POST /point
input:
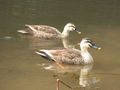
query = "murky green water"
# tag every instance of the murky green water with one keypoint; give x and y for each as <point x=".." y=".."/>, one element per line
<point x="22" y="69"/>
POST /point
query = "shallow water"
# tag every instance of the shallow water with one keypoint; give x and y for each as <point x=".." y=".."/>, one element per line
<point x="22" y="69"/>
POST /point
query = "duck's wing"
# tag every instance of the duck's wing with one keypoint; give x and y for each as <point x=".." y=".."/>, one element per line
<point x="26" y="31"/>
<point x="69" y="56"/>
<point x="41" y="31"/>
<point x="43" y="28"/>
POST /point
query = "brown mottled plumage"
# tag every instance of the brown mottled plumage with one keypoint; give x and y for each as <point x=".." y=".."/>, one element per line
<point x="48" y="32"/>
<point x="42" y="31"/>
<point x="70" y="55"/>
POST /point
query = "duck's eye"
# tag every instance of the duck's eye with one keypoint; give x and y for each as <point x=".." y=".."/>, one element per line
<point x="87" y="42"/>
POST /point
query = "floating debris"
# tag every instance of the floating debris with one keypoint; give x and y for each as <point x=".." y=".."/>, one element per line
<point x="60" y="81"/>
<point x="7" y="37"/>
<point x="42" y="64"/>
<point x="48" y="67"/>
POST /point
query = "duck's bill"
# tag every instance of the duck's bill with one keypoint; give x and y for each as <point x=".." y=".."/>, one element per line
<point x="96" y="47"/>
<point x="77" y="31"/>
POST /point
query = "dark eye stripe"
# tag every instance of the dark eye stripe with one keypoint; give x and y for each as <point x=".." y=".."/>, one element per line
<point x="73" y="26"/>
<point x="88" y="40"/>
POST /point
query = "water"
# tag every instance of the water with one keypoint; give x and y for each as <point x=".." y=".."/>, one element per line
<point x="22" y="69"/>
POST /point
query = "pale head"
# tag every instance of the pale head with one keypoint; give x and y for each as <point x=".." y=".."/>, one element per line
<point x="88" y="43"/>
<point x="71" y="27"/>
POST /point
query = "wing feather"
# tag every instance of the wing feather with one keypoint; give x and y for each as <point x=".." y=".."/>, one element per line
<point x="45" y="28"/>
<point x="44" y="31"/>
<point x="71" y="56"/>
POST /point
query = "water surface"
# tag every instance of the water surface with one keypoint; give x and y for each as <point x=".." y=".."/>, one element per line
<point x="22" y="69"/>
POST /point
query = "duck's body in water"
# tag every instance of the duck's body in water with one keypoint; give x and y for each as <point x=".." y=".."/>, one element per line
<point x="48" y="32"/>
<point x="69" y="55"/>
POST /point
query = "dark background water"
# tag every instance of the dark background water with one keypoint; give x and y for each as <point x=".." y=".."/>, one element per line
<point x="22" y="69"/>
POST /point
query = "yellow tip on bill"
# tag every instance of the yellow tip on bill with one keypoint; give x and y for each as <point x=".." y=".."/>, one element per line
<point x="99" y="48"/>
<point x="79" y="32"/>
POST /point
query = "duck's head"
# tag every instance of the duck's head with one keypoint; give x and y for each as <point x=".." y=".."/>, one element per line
<point x="71" y="27"/>
<point x="88" y="43"/>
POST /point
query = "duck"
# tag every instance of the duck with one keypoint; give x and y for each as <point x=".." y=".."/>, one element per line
<point x="48" y="32"/>
<point x="71" y="55"/>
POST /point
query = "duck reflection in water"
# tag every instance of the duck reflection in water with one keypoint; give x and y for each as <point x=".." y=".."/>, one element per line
<point x="84" y="76"/>
<point x="67" y="44"/>
<point x="37" y="43"/>
<point x="84" y="79"/>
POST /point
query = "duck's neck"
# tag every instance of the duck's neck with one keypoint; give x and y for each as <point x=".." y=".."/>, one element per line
<point x="65" y="33"/>
<point x="65" y="42"/>
<point x="86" y="55"/>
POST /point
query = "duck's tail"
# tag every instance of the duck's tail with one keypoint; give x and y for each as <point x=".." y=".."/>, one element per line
<point x="28" y="30"/>
<point x="44" y="54"/>
<point x="23" y="31"/>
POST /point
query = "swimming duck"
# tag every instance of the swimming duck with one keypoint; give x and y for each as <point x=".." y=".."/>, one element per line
<point x="70" y="55"/>
<point x="48" y="32"/>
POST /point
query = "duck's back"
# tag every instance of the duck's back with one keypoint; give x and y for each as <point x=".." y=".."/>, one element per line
<point x="44" y="31"/>
<point x="45" y="28"/>
<point x="69" y="56"/>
